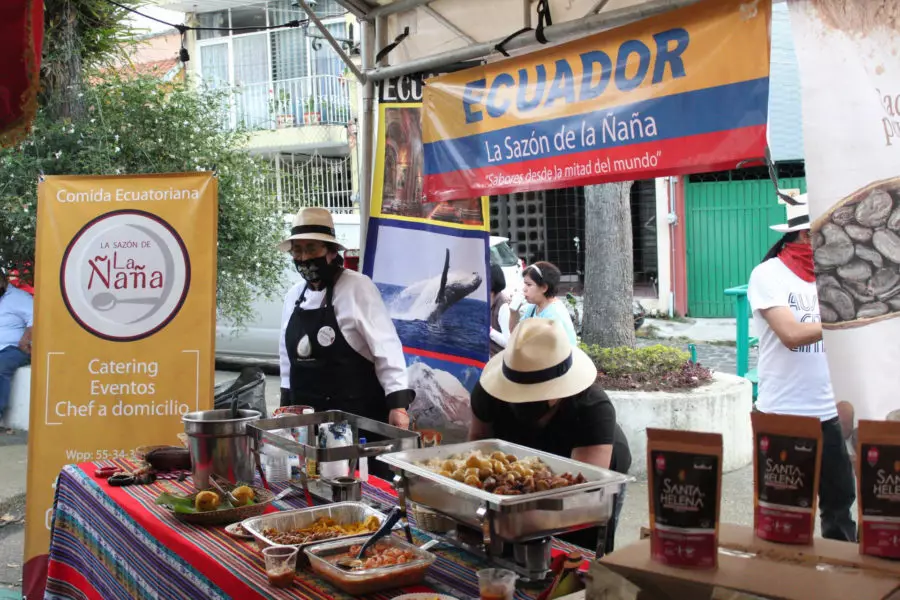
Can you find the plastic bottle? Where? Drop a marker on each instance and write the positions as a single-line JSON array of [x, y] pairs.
[[335, 435], [311, 467], [363, 463]]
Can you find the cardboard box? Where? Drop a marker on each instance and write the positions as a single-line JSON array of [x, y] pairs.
[[748, 568]]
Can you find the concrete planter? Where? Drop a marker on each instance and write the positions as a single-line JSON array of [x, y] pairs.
[[17, 411], [722, 406]]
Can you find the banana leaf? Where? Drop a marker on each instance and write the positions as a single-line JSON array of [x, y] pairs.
[[179, 504]]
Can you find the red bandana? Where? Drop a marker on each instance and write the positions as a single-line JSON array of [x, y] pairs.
[[799, 259]]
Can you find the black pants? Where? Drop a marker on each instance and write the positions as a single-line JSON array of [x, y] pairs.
[[837, 487]]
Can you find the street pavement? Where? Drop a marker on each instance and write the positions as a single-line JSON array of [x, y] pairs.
[[737, 487]]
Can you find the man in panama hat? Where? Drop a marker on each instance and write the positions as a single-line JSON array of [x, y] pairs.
[[541, 392], [793, 372], [339, 349]]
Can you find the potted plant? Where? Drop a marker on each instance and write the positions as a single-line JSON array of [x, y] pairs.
[[312, 116], [280, 108]]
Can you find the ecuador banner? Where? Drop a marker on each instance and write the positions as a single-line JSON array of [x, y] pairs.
[[124, 323], [683, 92], [430, 263], [851, 135]]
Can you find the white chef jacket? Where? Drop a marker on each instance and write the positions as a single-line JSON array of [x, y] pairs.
[[364, 322]]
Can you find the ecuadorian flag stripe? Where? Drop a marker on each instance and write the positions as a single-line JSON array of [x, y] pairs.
[[698, 112], [717, 151]]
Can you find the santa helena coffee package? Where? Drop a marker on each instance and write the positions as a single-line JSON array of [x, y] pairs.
[[685, 482], [879, 488], [787, 455]]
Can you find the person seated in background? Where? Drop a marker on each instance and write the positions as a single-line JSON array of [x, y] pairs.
[[541, 283], [541, 393], [499, 311], [16, 320]]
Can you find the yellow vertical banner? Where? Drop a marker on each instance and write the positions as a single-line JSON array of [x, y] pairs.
[[124, 325]]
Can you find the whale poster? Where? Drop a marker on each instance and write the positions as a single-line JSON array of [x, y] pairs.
[[430, 263], [437, 296]]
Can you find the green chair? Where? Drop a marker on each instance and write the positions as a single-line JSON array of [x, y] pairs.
[[744, 341]]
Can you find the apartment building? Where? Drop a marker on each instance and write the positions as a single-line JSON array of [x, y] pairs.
[[288, 87]]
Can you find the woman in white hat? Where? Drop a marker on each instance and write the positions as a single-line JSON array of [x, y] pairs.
[[541, 392], [793, 371], [339, 349]]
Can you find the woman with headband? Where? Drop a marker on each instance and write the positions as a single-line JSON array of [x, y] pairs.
[[541, 283]]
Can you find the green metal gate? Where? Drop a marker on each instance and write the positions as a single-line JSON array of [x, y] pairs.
[[727, 233]]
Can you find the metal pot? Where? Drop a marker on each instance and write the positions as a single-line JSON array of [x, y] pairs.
[[220, 445]]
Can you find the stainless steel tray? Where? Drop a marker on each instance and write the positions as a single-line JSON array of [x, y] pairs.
[[513, 518], [342, 512]]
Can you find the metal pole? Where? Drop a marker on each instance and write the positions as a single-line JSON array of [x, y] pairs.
[[448, 24], [526, 13], [560, 32], [334, 43], [395, 7], [353, 7], [597, 7], [366, 142]]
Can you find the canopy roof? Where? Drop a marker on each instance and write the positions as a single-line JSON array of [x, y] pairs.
[[443, 32]]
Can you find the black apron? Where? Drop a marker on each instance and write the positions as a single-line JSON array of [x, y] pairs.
[[334, 376]]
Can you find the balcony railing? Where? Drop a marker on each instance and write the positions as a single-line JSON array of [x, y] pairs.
[[313, 100]]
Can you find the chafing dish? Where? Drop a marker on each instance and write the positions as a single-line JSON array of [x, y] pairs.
[[509, 518], [395, 439]]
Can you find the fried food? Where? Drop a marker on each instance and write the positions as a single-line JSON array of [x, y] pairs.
[[207, 500], [325, 528], [244, 494], [502, 474]]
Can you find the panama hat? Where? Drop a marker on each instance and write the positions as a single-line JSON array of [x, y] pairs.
[[311, 224], [539, 363], [797, 216]]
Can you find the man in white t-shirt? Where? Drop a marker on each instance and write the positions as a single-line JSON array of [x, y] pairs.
[[793, 372]]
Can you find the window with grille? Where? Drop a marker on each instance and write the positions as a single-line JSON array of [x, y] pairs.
[[300, 180], [281, 78]]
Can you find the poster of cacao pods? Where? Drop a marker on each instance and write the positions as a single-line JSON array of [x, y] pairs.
[[849, 56]]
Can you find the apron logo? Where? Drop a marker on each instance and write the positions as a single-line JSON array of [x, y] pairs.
[[326, 336], [125, 275], [304, 348]]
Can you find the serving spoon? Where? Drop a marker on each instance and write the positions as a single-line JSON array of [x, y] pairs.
[[351, 564]]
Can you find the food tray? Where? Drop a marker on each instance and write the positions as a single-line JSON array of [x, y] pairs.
[[514, 518], [226, 516], [342, 512], [369, 581]]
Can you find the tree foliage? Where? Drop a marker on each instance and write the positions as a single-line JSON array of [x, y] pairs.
[[80, 36], [140, 124]]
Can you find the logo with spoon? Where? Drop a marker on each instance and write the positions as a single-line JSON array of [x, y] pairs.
[[125, 275]]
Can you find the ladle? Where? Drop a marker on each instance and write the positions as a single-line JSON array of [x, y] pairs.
[[105, 301], [390, 520]]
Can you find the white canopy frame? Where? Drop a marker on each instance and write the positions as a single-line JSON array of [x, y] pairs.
[[438, 33]]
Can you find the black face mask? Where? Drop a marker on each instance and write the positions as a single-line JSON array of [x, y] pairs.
[[530, 412], [317, 271]]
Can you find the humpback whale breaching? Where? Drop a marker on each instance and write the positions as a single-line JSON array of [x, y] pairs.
[[452, 292], [428, 300]]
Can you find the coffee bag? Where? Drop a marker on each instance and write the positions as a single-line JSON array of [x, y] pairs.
[[787, 456], [879, 488], [685, 481]]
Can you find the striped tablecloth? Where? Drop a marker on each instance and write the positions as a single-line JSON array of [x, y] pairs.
[[114, 542]]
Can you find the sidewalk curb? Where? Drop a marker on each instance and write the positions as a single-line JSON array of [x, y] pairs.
[[10, 595]]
